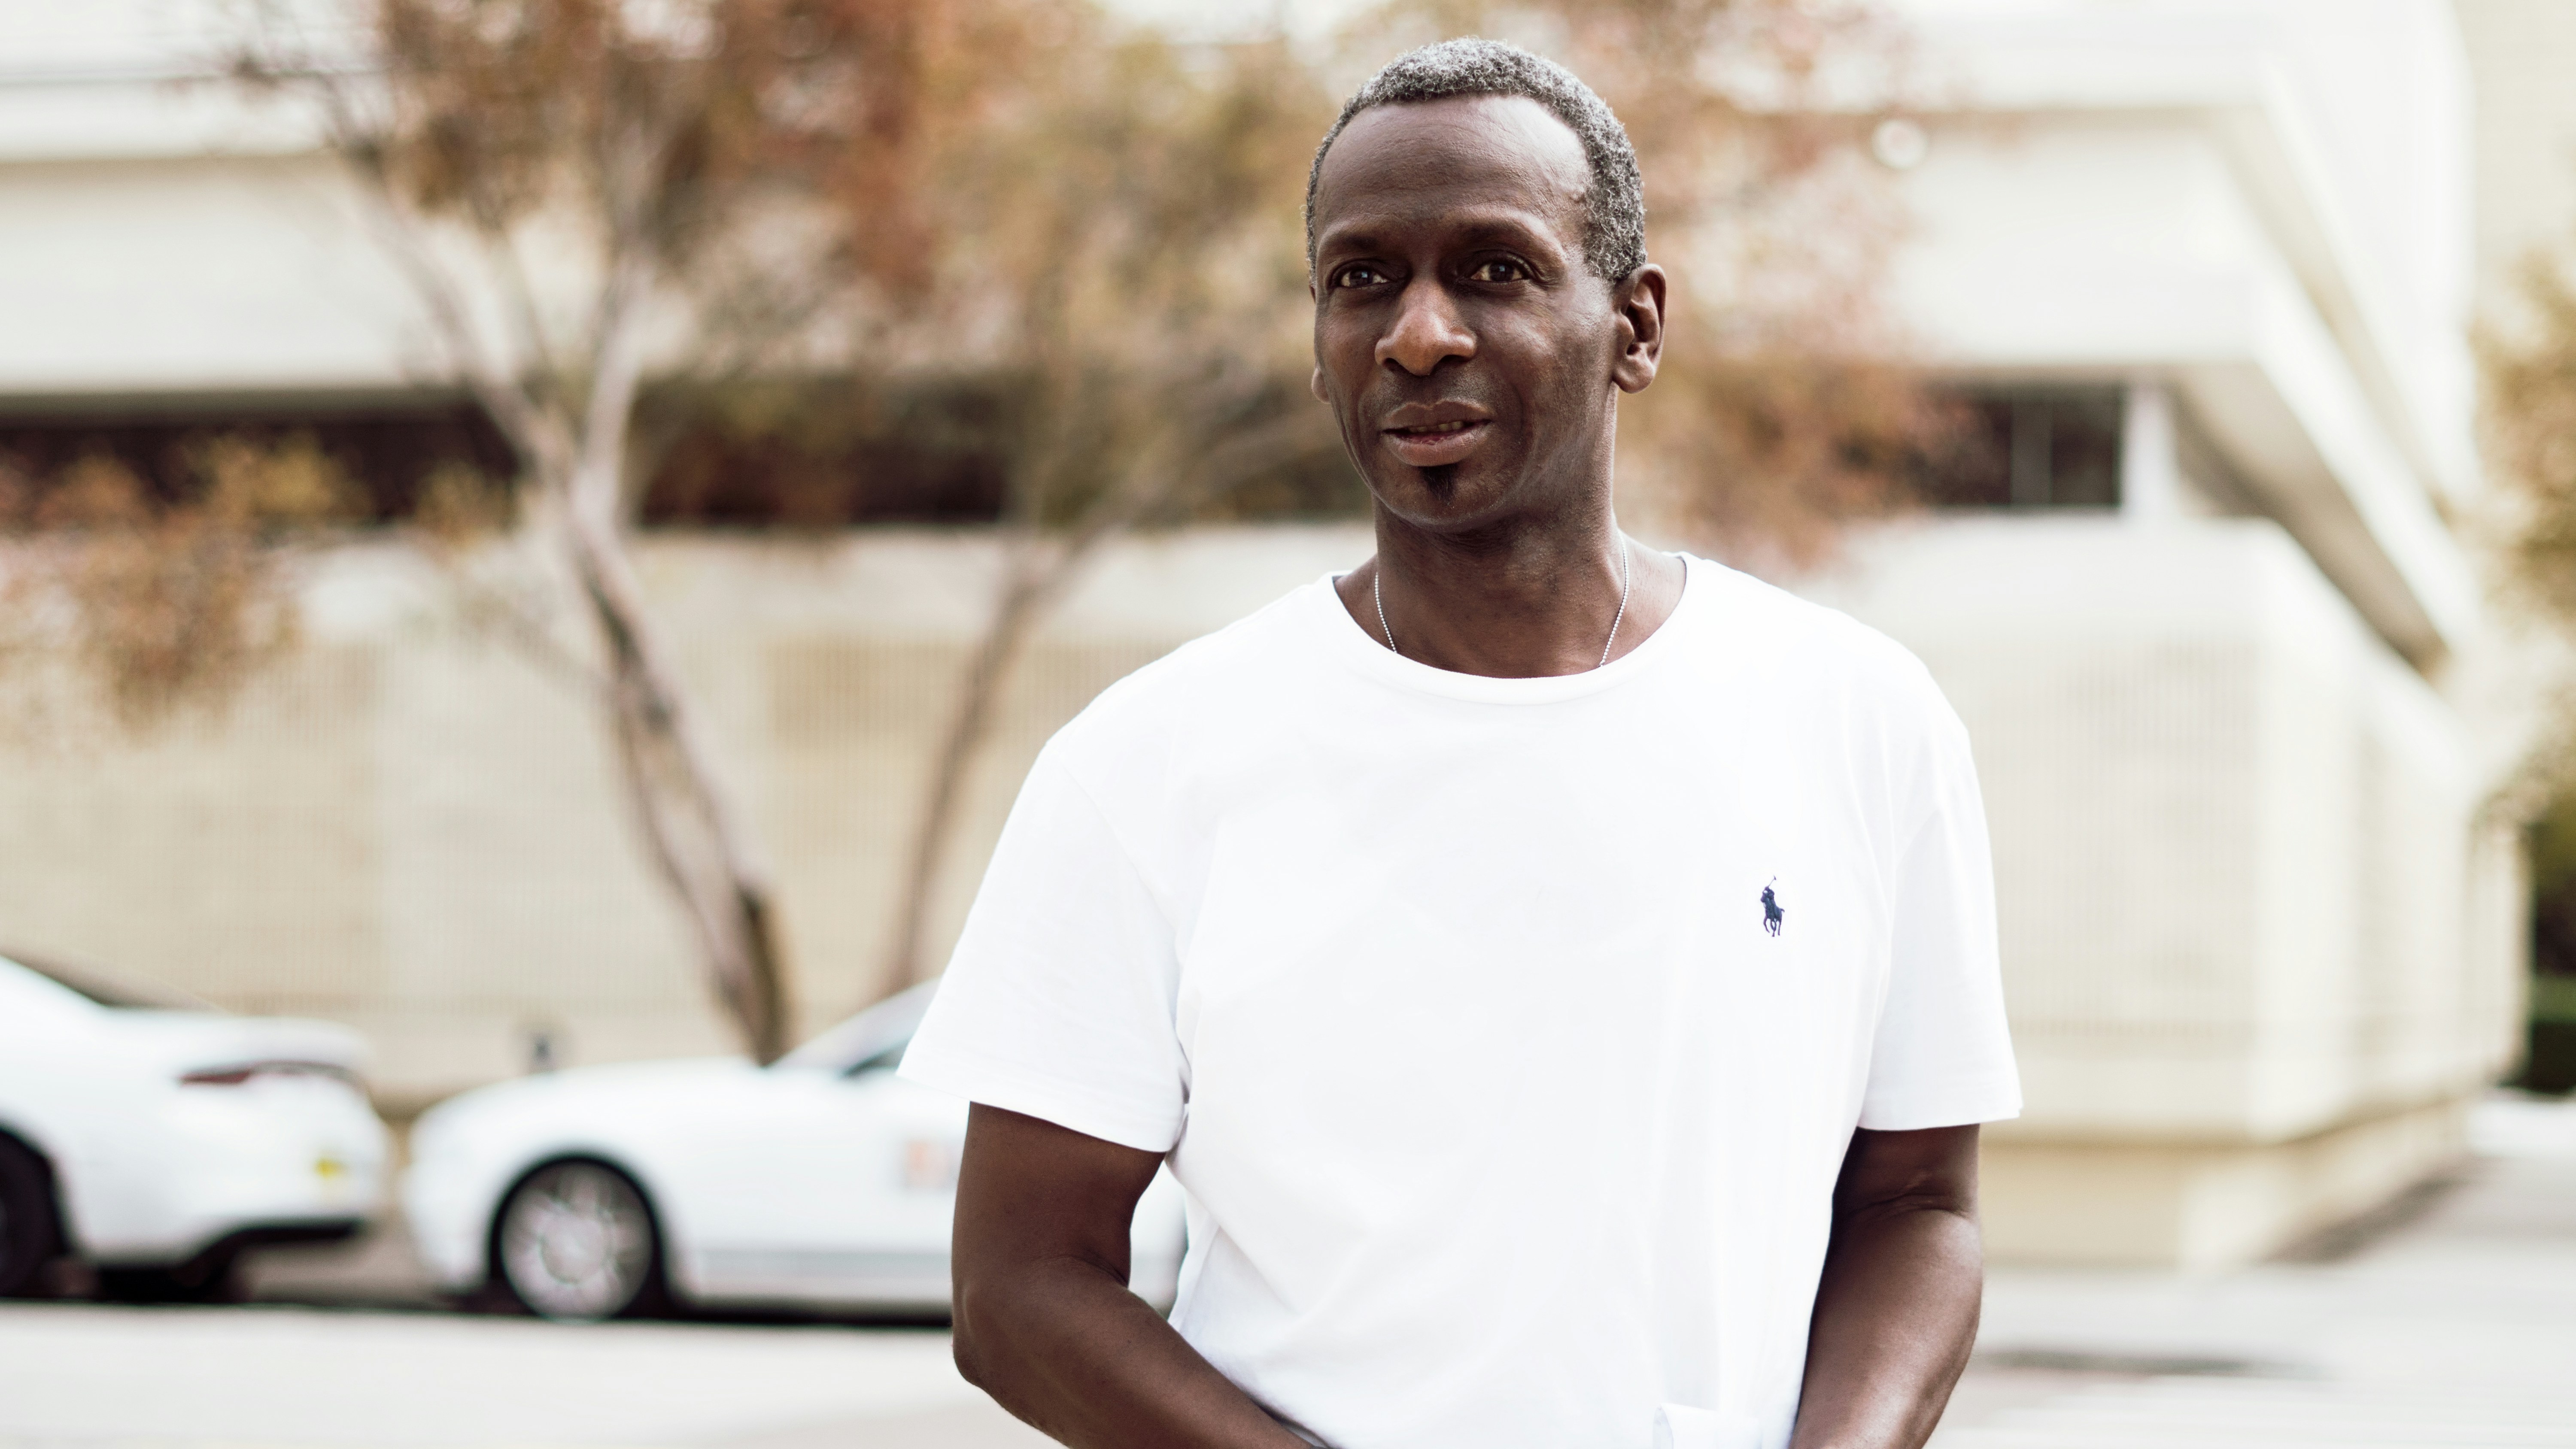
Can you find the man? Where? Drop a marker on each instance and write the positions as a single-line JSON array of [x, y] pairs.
[[1562, 974]]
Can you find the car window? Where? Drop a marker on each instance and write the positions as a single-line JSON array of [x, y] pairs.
[[108, 988], [884, 1061], [875, 1037]]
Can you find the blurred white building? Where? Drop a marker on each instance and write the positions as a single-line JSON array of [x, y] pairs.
[[2261, 939], [2208, 267]]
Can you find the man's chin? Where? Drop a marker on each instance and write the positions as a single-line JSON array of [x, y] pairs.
[[1445, 499]]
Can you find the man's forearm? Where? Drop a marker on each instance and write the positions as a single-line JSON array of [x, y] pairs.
[[1044, 1321], [1896, 1307], [1896, 1314], [1063, 1344]]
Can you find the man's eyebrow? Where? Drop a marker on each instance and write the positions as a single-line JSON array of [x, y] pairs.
[[1352, 238], [1510, 226]]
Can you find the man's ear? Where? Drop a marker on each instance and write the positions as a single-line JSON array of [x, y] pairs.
[[1640, 300], [1315, 379]]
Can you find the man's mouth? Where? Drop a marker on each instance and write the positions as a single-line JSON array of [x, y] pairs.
[[1436, 444]]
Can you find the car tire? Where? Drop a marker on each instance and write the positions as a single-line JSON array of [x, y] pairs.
[[576, 1241], [30, 1236], [213, 1276]]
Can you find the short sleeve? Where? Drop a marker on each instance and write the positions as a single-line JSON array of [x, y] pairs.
[[1942, 1055], [1058, 1002]]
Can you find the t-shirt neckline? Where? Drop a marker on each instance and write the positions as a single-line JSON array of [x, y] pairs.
[[1367, 653]]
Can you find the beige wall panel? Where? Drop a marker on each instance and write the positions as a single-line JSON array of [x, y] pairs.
[[235, 857], [2230, 826], [2413, 1033], [2308, 847], [515, 897], [856, 720], [2201, 1206]]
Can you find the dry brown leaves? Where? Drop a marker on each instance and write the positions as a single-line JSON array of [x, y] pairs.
[[160, 604], [2531, 426]]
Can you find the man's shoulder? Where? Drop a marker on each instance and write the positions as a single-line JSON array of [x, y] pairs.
[[1232, 671], [1825, 674], [1792, 634]]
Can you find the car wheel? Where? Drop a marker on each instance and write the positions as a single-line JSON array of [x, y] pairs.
[[28, 1239], [576, 1241]]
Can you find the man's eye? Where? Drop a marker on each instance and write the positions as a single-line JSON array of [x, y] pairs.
[[1499, 269], [1359, 276]]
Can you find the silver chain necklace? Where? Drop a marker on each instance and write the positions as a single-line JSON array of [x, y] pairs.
[[1377, 596]]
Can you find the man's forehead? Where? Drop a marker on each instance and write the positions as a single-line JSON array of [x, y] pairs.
[[1476, 153]]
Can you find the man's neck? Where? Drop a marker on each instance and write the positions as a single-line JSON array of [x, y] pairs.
[[1521, 602]]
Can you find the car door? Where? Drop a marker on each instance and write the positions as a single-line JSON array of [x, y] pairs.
[[835, 1187]]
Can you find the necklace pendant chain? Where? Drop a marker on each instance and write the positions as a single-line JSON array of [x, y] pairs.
[[1377, 596], [1627, 570], [1627, 552]]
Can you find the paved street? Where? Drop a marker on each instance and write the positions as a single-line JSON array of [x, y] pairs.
[[2455, 1330], [80, 1375]]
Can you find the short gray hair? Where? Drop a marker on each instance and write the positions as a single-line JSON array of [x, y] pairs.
[[1614, 205]]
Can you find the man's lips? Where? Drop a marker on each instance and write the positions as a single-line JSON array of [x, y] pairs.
[[1434, 444]]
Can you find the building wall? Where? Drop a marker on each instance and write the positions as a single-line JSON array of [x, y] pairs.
[[2252, 946], [2526, 124], [2129, 246], [156, 276], [2233, 831], [2259, 938]]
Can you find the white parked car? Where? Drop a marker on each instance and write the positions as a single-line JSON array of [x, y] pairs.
[[155, 1137], [821, 1180]]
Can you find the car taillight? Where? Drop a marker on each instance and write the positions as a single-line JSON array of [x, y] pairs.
[[243, 1072], [929, 1166]]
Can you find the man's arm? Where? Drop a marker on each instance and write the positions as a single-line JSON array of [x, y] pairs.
[[1044, 1321], [1896, 1311]]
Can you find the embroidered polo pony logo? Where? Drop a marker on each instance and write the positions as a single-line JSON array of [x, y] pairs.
[[1772, 913]]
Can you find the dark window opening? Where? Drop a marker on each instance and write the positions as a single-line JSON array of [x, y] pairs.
[[823, 453], [828, 453], [390, 454], [793, 455], [2034, 448]]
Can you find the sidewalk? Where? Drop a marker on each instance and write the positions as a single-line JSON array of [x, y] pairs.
[[2456, 1329]]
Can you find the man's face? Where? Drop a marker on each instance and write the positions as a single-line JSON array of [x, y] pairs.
[[1467, 352]]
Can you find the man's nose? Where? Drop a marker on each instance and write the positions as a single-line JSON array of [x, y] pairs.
[[1427, 330]]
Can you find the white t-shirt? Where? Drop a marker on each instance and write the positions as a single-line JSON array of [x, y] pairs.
[[1507, 1034]]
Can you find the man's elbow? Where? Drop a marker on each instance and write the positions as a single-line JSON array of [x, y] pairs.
[[961, 1348], [970, 1311], [1925, 1176]]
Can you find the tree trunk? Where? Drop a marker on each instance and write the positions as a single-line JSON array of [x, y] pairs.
[[576, 454], [680, 799], [686, 813]]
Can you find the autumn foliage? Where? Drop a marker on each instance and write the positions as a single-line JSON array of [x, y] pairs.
[[2531, 414], [163, 602]]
